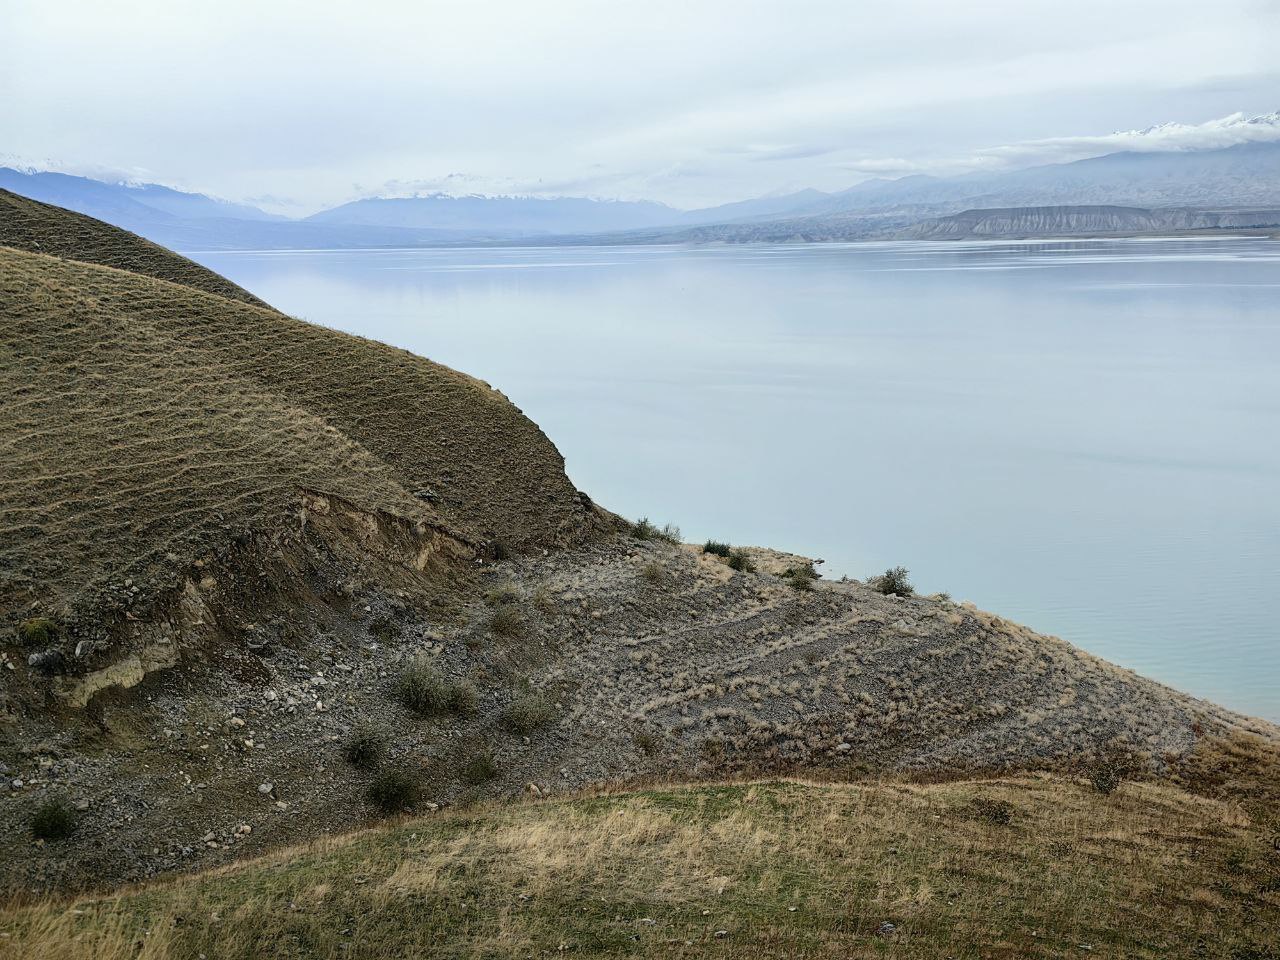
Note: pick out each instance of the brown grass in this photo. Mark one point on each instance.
(784, 869)
(147, 423)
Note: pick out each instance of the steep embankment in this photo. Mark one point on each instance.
(158, 419)
(256, 586)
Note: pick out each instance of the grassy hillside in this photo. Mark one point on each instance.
(149, 422)
(1013, 868)
(39, 227)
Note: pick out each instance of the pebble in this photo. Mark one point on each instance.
(265, 788)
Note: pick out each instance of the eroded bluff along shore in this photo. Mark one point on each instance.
(234, 547)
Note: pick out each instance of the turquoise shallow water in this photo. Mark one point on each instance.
(1083, 436)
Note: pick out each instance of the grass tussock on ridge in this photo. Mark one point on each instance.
(744, 870)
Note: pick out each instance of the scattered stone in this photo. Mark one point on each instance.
(266, 788)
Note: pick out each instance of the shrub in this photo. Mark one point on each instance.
(506, 621)
(38, 631)
(527, 713)
(717, 548)
(543, 601)
(425, 692)
(502, 595)
(894, 581)
(993, 810)
(799, 582)
(481, 768)
(643, 529)
(53, 820)
(647, 742)
(384, 628)
(738, 560)
(393, 790)
(498, 550)
(1110, 769)
(652, 572)
(365, 747)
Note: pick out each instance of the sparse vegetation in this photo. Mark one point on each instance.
(644, 529)
(504, 594)
(507, 621)
(527, 713)
(894, 581)
(499, 551)
(384, 628)
(394, 789)
(425, 692)
(716, 548)
(480, 769)
(38, 632)
(365, 747)
(647, 742)
(798, 580)
(652, 573)
(738, 560)
(1110, 768)
(993, 810)
(53, 820)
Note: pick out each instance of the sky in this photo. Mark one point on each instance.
(297, 106)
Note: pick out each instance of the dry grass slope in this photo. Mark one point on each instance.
(731, 871)
(146, 422)
(40, 228)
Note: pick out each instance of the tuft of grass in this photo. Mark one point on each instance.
(894, 581)
(647, 742)
(499, 551)
(426, 693)
(481, 768)
(507, 621)
(394, 790)
(644, 529)
(384, 628)
(993, 810)
(652, 573)
(799, 581)
(738, 560)
(1110, 769)
(717, 548)
(527, 713)
(38, 632)
(365, 747)
(53, 820)
(504, 594)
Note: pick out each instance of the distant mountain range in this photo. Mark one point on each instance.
(1235, 187)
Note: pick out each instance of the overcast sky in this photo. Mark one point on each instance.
(690, 102)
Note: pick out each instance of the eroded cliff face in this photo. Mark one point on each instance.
(1083, 220)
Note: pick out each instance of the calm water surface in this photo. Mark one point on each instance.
(1083, 436)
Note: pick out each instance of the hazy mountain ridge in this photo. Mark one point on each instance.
(1204, 181)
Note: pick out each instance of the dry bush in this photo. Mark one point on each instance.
(394, 789)
(426, 693)
(894, 581)
(527, 713)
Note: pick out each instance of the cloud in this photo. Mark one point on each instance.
(1171, 137)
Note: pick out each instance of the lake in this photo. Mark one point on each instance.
(1082, 436)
